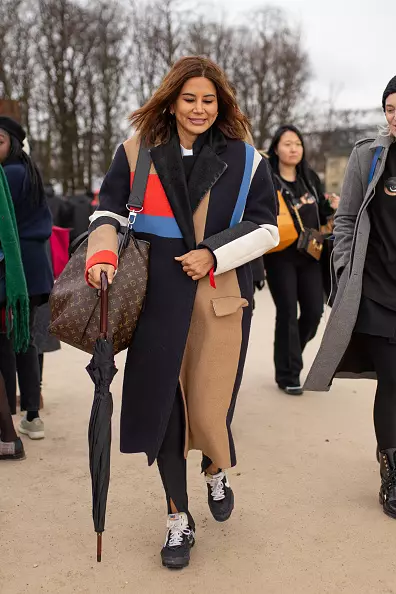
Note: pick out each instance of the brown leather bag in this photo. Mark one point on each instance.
(75, 307)
(310, 241)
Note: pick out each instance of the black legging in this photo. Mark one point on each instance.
(8, 370)
(7, 431)
(28, 370)
(293, 279)
(172, 463)
(383, 356)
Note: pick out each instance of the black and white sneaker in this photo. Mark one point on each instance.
(220, 496)
(293, 390)
(179, 540)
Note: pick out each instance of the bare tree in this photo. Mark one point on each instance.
(264, 60)
(67, 37)
(78, 68)
(278, 72)
(109, 64)
(170, 30)
(17, 65)
(145, 62)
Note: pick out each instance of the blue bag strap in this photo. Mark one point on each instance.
(377, 155)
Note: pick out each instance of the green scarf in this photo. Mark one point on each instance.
(16, 289)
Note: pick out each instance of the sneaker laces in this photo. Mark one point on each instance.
(217, 486)
(390, 480)
(176, 536)
(177, 530)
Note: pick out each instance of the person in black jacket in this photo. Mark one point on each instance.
(294, 278)
(80, 209)
(59, 208)
(34, 227)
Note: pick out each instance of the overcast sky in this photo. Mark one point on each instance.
(351, 44)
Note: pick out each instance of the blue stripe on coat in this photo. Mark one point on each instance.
(161, 226)
(245, 185)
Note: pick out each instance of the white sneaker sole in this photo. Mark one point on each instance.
(32, 434)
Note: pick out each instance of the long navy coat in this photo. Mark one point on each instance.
(34, 226)
(190, 334)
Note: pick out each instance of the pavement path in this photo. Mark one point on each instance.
(307, 518)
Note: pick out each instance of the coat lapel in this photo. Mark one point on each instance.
(207, 170)
(168, 163)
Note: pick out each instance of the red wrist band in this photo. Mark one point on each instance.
(102, 257)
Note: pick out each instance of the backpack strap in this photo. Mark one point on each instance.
(374, 162)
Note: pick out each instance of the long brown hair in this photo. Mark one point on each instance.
(153, 121)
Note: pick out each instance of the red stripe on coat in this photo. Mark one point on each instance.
(155, 201)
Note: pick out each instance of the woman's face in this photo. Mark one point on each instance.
(390, 113)
(196, 107)
(5, 145)
(290, 149)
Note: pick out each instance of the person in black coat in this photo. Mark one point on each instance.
(80, 209)
(34, 226)
(209, 210)
(59, 208)
(294, 278)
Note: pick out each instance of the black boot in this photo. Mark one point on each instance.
(387, 494)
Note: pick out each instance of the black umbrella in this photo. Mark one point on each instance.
(102, 371)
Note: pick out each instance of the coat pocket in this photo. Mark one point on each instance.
(225, 306)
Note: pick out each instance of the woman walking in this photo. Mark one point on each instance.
(14, 312)
(34, 225)
(295, 278)
(360, 339)
(209, 210)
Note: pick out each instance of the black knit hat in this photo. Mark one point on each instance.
(390, 89)
(13, 128)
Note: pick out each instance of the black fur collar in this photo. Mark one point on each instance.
(207, 170)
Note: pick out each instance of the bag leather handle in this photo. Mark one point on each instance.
(140, 179)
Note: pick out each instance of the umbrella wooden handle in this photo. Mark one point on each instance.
(104, 304)
(99, 547)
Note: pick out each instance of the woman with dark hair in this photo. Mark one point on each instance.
(294, 278)
(360, 337)
(209, 209)
(14, 312)
(34, 225)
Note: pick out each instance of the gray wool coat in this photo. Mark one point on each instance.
(341, 354)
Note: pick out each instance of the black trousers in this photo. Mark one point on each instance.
(172, 463)
(8, 370)
(28, 368)
(382, 352)
(293, 279)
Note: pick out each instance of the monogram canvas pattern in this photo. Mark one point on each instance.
(75, 307)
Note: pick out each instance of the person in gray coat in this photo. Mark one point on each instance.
(360, 338)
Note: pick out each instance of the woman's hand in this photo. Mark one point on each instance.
(334, 201)
(197, 263)
(94, 274)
